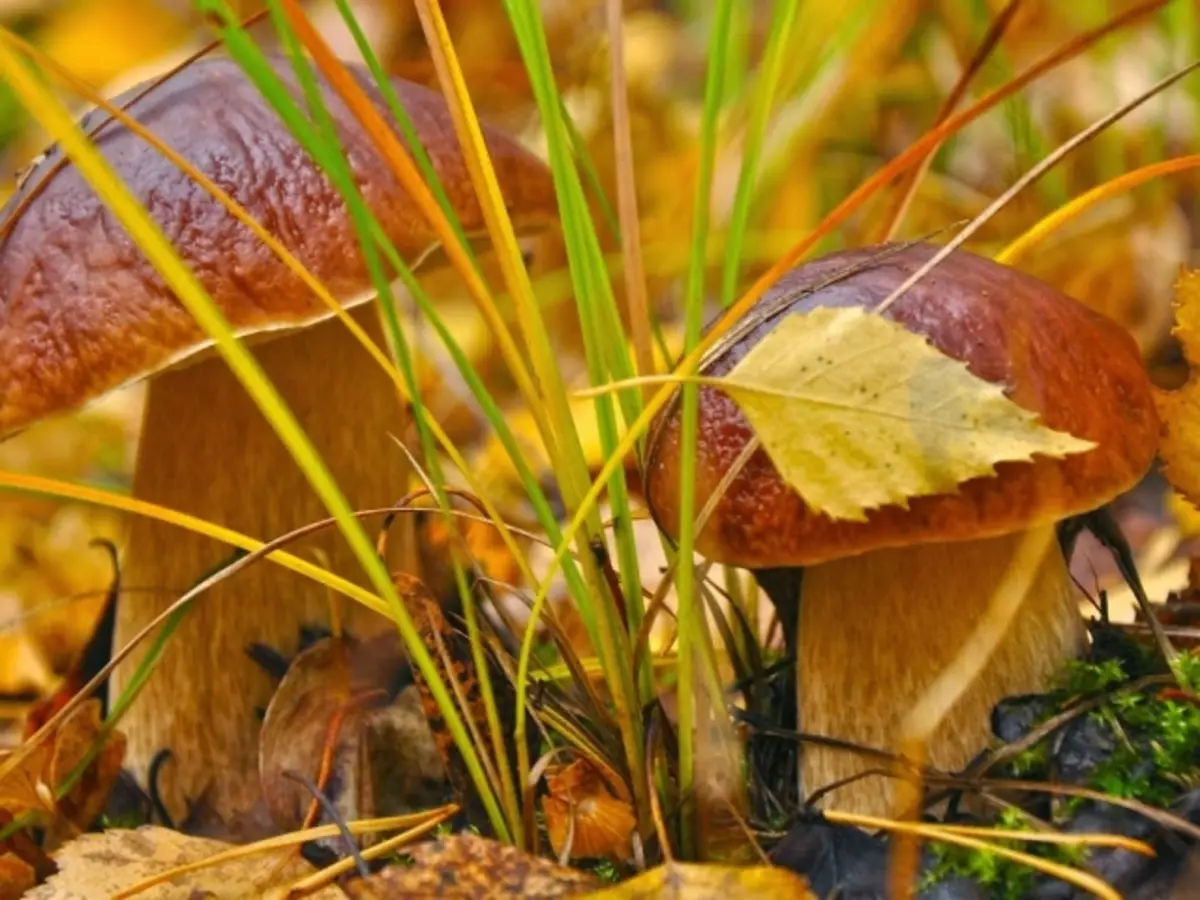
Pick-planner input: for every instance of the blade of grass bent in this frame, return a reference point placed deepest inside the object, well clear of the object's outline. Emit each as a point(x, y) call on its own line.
point(93, 496)
point(1079, 205)
point(53, 116)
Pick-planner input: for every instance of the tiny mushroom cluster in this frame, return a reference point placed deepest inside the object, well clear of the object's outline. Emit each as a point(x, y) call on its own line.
point(83, 312)
point(875, 609)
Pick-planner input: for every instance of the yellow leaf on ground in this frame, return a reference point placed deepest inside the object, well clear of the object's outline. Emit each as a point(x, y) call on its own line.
point(706, 882)
point(1179, 411)
point(857, 412)
point(103, 864)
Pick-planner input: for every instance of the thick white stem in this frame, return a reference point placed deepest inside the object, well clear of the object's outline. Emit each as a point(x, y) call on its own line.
point(875, 631)
point(207, 450)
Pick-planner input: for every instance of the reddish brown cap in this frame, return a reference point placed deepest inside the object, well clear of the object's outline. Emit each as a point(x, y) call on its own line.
point(1080, 371)
point(81, 309)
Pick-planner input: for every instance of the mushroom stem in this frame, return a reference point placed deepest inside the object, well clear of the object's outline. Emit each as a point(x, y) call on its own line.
point(860, 672)
point(206, 449)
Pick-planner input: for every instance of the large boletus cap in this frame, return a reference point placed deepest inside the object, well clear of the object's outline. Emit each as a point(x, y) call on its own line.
point(81, 309)
point(1078, 370)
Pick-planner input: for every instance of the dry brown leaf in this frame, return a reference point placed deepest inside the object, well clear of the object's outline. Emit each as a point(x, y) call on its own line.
point(87, 799)
point(1179, 410)
point(342, 689)
point(468, 867)
point(688, 881)
point(103, 864)
point(18, 790)
point(29, 787)
point(16, 877)
point(581, 810)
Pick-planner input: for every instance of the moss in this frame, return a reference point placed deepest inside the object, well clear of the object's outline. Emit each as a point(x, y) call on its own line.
point(1003, 879)
point(1155, 757)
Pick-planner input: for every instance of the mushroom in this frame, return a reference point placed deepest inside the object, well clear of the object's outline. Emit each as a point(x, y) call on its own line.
point(887, 602)
point(82, 312)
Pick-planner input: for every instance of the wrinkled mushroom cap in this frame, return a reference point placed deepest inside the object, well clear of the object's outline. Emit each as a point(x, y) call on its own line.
point(82, 311)
point(1078, 370)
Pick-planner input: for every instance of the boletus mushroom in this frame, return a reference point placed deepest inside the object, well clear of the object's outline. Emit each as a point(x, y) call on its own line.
point(875, 609)
point(82, 312)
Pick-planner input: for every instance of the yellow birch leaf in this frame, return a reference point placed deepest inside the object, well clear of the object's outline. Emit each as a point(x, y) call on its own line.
point(1179, 411)
point(857, 412)
point(694, 881)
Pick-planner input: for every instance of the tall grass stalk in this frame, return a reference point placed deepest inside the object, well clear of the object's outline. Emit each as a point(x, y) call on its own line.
point(690, 612)
point(778, 38)
point(605, 350)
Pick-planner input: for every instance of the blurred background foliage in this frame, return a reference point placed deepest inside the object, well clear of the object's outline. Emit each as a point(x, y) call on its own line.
point(874, 74)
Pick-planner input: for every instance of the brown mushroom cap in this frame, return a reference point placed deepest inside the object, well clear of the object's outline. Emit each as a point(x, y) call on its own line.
point(1078, 370)
point(82, 311)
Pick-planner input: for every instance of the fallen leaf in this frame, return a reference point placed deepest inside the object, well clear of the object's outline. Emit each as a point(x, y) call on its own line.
point(1179, 411)
point(857, 412)
point(16, 877)
point(81, 805)
point(28, 787)
point(468, 867)
point(584, 817)
point(382, 758)
point(690, 881)
point(105, 863)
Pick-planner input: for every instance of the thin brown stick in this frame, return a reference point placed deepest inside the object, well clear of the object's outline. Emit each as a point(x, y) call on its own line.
point(631, 236)
point(1030, 177)
point(906, 188)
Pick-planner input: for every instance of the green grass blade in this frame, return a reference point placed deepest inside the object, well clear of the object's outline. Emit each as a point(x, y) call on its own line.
point(689, 620)
point(778, 36)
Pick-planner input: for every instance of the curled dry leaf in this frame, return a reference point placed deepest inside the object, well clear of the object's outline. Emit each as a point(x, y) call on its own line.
point(1179, 411)
point(703, 882)
point(342, 694)
point(29, 788)
point(858, 412)
point(585, 819)
point(106, 863)
point(468, 867)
